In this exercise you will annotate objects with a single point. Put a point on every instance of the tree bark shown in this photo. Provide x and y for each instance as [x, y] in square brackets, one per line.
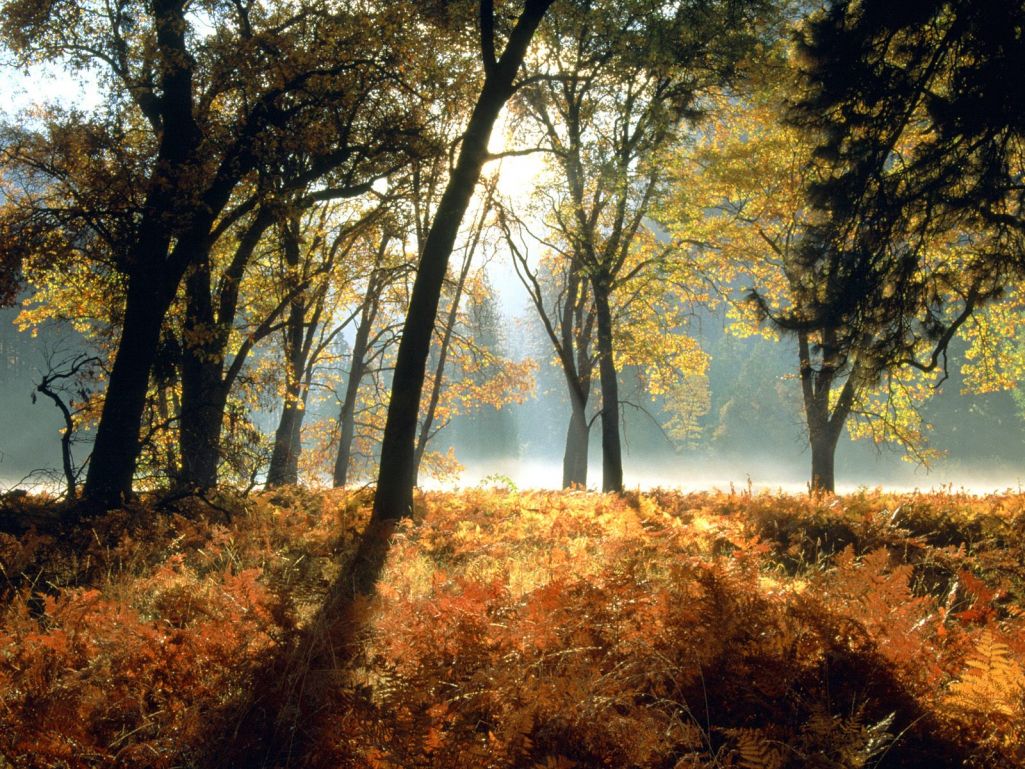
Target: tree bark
[204, 396]
[284, 463]
[574, 459]
[153, 277]
[116, 450]
[611, 450]
[825, 420]
[394, 496]
[823, 454]
[443, 348]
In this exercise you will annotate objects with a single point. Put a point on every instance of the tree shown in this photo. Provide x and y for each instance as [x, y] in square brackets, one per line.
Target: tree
[609, 90]
[148, 180]
[741, 207]
[557, 289]
[311, 284]
[394, 495]
[212, 308]
[923, 136]
[64, 384]
[373, 338]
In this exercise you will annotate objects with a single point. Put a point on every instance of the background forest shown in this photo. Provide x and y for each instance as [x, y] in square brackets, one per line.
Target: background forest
[641, 266]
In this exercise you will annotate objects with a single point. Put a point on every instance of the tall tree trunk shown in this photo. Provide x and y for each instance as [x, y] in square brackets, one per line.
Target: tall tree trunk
[204, 397]
[394, 496]
[205, 384]
[116, 449]
[284, 461]
[574, 459]
[152, 280]
[611, 451]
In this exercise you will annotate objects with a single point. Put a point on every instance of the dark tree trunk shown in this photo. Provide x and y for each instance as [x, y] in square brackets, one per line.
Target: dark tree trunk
[443, 347]
[200, 436]
[611, 451]
[284, 463]
[205, 383]
[823, 454]
[574, 460]
[347, 434]
[109, 480]
[394, 496]
[204, 396]
[67, 434]
[825, 420]
[167, 414]
[153, 277]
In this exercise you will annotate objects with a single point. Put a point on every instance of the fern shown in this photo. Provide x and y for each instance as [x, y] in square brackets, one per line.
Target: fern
[993, 680]
[755, 751]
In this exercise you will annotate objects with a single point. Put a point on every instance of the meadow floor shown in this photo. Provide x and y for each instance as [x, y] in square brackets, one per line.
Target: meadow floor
[521, 629]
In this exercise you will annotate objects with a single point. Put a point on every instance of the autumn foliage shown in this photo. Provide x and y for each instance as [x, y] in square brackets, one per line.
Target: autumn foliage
[530, 629]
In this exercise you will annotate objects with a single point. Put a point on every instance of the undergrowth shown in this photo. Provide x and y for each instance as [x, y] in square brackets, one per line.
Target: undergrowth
[530, 629]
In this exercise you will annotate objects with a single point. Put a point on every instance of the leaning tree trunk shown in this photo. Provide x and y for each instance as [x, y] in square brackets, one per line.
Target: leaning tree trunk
[394, 496]
[439, 371]
[611, 450]
[347, 434]
[116, 449]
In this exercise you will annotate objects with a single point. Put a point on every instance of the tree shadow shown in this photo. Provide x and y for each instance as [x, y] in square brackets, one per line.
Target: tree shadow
[283, 720]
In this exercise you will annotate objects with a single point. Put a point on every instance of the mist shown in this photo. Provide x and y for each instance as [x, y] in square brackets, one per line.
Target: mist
[750, 435]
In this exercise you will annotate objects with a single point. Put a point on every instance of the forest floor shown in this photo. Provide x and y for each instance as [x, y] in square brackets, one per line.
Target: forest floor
[521, 629]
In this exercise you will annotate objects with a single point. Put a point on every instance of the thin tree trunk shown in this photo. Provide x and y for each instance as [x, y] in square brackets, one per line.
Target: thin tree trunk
[164, 411]
[347, 415]
[394, 495]
[67, 434]
[611, 451]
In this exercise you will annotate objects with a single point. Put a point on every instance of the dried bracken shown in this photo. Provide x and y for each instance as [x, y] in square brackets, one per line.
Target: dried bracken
[532, 629]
